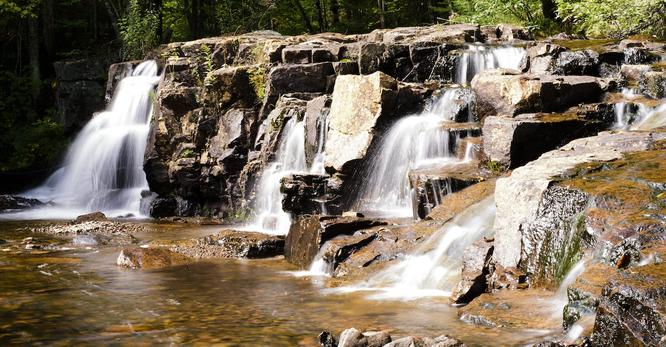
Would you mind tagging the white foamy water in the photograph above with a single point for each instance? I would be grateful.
(477, 58)
(434, 268)
(103, 169)
(651, 119)
(290, 159)
(413, 142)
(561, 297)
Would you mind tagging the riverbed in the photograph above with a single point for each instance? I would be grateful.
(77, 295)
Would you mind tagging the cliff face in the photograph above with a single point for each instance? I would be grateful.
(223, 102)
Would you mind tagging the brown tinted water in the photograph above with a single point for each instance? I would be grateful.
(79, 296)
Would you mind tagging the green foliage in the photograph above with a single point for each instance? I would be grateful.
(614, 18)
(188, 153)
(495, 167)
(34, 145)
(257, 77)
(138, 31)
(20, 8)
(489, 12)
(239, 215)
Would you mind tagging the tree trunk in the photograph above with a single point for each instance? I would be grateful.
(114, 15)
(549, 10)
(304, 15)
(320, 16)
(335, 12)
(33, 56)
(48, 28)
(158, 9)
(382, 20)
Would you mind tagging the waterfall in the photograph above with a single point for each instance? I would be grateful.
(413, 142)
(561, 296)
(320, 157)
(650, 118)
(435, 267)
(103, 168)
(477, 58)
(290, 158)
(624, 115)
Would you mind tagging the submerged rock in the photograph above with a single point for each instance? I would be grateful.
(228, 244)
(94, 232)
(149, 258)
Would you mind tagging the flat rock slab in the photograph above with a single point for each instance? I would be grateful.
(507, 92)
(455, 203)
(431, 185)
(94, 232)
(228, 244)
(513, 309)
(149, 258)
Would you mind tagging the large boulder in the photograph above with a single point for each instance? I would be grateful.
(583, 62)
(354, 121)
(653, 84)
(309, 233)
(310, 194)
(476, 268)
(505, 92)
(299, 78)
(515, 141)
(542, 226)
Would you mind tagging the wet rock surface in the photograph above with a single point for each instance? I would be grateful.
(227, 244)
(149, 258)
(504, 92)
(12, 203)
(309, 233)
(526, 232)
(431, 185)
(353, 337)
(515, 141)
(94, 232)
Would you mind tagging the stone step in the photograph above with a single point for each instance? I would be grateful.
(430, 185)
(469, 148)
(309, 233)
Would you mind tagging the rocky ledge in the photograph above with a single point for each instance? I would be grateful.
(88, 231)
(353, 337)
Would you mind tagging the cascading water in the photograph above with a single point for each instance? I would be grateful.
(320, 157)
(636, 115)
(434, 269)
(477, 58)
(561, 297)
(103, 169)
(413, 142)
(650, 118)
(290, 158)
